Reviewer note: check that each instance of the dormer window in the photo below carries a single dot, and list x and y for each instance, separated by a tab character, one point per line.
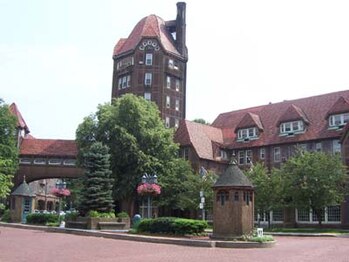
288	128
338	120
247	133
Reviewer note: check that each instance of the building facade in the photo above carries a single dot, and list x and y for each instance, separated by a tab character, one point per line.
152	63
271	134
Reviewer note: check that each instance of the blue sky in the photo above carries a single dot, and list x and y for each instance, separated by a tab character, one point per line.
56	56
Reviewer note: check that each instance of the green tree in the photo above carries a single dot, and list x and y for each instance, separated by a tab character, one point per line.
138	141
97	183
201	121
314	180
267	185
8	149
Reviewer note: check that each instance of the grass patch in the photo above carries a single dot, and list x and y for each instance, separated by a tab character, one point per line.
263	239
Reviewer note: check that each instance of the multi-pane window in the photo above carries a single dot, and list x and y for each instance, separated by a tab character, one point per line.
168	82
303	215
334	214
222	197
278	215
247	133
168	101
277	154
184	153
147	79
336	147
262	153
292	127
147	96
245	157
241	157
124	81
248	156
148	59
338	120
223	154
236	196
177	104
177	85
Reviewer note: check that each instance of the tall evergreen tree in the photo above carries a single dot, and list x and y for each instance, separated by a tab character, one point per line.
97	183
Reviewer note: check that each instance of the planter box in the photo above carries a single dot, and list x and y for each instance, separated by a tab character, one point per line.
96	223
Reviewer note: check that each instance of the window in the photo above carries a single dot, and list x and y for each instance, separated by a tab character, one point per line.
168	82
147	96
120	83
278	215
248	156
177	104
54	161
336	147
26	161
236	196
147	79
292	127
124	81
241	157
223	154
277	154
170	63
167	122
334	214
303	215
128	81
318	147
148	59
262	153
176	123
185	153
338	120
39	161
222	197
247	133
177	85
69	162
168	102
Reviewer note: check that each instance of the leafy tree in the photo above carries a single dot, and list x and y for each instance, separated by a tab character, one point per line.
201	121
267	185
314	180
97	184
138	141
8	149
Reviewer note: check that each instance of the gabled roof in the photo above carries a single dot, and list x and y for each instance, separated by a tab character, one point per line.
314	109
340	106
293	113
250	120
23	190
151	26
20	120
48	147
202	137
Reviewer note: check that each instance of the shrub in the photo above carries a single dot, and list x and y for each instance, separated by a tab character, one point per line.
265	238
93	213
172	225
6	217
71	216
41	218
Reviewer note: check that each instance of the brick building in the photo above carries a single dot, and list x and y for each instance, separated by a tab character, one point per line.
270	134
152	62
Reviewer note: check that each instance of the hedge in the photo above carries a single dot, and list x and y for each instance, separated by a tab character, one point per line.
41	218
172	225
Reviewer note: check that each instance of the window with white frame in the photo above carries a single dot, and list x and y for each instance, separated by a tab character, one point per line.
177	104
147	96
292	127
277	154
149	59
336	147
245	157
247	133
168	82
303	215
69	162
39	161
248	157
318	147
147	79
176	123
170	63
241	155
124	81
26	161
338	120
334	214
55	161
168	102
331	214
167	122
262	153
177	85
128	81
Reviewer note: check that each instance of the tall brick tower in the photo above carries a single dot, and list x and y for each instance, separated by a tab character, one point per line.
152	62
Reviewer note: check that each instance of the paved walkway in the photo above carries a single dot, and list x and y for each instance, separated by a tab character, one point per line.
40	246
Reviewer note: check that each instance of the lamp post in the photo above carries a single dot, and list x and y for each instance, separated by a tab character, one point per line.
60	185
203	173
149	179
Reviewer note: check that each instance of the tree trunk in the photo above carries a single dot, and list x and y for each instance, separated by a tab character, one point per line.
319	215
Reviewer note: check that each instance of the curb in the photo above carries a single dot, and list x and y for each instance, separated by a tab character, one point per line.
148	239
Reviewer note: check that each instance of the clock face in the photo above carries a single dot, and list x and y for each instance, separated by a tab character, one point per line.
149	42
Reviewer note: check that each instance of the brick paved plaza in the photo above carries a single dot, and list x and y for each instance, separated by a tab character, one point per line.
40	246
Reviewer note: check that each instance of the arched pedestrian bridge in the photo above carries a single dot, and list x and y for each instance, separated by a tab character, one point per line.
47	158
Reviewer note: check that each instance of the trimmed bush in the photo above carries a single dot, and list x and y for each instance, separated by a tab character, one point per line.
41	219
172	225
122	214
6	217
94	213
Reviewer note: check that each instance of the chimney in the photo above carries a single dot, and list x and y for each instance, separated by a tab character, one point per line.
181	29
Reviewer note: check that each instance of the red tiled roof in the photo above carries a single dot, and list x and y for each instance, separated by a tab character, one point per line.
291	114
315	109
151	26
201	137
340	106
250	120
48	147
20	120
